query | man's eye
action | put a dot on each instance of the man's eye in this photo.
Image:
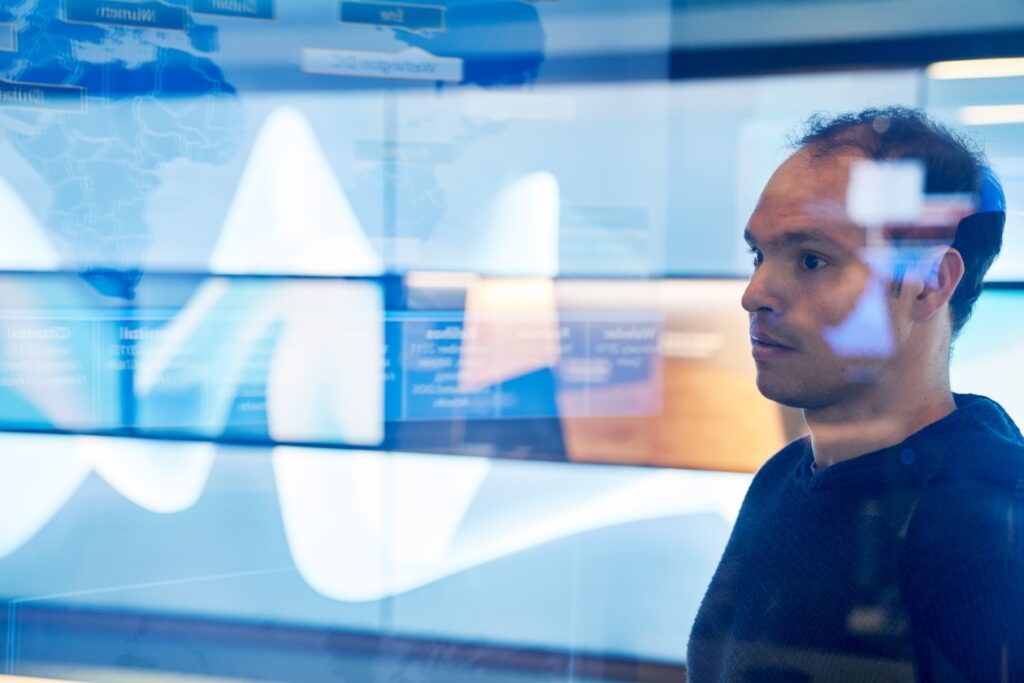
(812, 262)
(756, 256)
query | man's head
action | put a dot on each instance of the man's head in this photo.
(835, 308)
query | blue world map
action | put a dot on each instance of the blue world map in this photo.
(99, 108)
(147, 102)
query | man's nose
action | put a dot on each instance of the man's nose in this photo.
(761, 294)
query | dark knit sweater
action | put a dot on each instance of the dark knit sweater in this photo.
(903, 563)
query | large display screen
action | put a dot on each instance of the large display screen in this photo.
(614, 371)
(302, 564)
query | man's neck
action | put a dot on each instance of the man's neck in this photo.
(863, 425)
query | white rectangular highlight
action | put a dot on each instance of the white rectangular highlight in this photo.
(977, 68)
(413, 63)
(885, 191)
(991, 115)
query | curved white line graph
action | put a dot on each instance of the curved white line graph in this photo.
(364, 526)
(25, 245)
(289, 213)
(39, 474)
(361, 526)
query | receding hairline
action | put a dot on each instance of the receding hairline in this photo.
(894, 133)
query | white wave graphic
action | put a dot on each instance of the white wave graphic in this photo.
(158, 476)
(289, 214)
(26, 246)
(515, 233)
(360, 525)
(41, 473)
(355, 521)
(520, 237)
(511, 324)
(365, 526)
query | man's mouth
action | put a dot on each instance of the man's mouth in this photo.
(760, 335)
(764, 346)
(769, 344)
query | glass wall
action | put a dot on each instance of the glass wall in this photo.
(370, 341)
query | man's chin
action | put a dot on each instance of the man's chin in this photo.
(790, 397)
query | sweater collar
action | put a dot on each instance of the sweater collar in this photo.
(976, 417)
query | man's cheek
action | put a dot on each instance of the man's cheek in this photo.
(865, 330)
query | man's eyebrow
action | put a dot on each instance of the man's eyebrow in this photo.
(793, 237)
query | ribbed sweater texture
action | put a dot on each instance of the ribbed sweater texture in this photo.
(898, 565)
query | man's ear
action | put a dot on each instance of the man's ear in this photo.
(939, 284)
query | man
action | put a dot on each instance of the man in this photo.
(888, 545)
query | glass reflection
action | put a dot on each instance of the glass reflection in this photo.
(202, 560)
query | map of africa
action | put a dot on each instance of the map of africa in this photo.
(148, 98)
(100, 97)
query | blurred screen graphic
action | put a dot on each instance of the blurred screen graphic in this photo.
(195, 357)
(582, 370)
(247, 561)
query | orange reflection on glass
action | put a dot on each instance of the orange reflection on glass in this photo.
(511, 329)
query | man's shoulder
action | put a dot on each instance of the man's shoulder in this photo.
(787, 458)
(767, 488)
(970, 508)
(978, 447)
(782, 464)
(967, 462)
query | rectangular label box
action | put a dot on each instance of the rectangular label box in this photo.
(394, 14)
(247, 9)
(50, 374)
(134, 14)
(414, 64)
(41, 96)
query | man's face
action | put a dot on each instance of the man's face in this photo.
(823, 324)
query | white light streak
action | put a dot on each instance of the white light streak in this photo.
(976, 68)
(991, 115)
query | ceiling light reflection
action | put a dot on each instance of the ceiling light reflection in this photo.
(991, 115)
(976, 68)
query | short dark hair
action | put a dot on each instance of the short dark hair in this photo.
(952, 164)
